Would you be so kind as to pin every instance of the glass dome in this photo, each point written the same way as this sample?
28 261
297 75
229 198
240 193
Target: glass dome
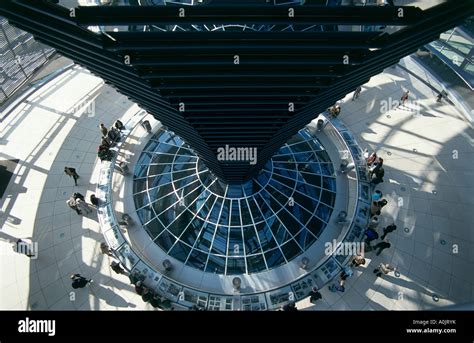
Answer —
234 229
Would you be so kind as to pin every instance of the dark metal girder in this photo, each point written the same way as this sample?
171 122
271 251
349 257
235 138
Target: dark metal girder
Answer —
243 73
197 111
257 61
240 93
235 102
209 88
246 14
168 56
247 37
257 126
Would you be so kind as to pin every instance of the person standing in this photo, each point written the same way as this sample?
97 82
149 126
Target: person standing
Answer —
105 249
404 98
387 230
382 203
376 166
371 235
372 158
94 200
379 174
73 205
116 267
314 295
119 125
78 281
381 246
82 206
439 97
72 173
357 260
357 93
375 209
103 130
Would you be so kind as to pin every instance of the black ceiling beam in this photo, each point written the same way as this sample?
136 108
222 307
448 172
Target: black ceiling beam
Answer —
239 93
245 14
248 60
197 110
242 42
225 103
249 56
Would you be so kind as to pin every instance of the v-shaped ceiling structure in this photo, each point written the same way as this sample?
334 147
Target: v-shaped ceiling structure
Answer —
234 73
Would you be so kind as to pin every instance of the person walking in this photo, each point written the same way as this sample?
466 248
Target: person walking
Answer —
404 98
381 246
79 281
357 93
103 130
387 230
72 173
383 269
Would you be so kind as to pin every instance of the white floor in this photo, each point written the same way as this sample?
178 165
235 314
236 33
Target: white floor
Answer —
430 193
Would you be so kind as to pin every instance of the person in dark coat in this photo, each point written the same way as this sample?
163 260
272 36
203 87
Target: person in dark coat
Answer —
314 295
72 173
387 230
382 246
79 281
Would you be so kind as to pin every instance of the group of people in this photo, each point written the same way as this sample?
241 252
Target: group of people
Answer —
109 138
371 234
376 170
148 295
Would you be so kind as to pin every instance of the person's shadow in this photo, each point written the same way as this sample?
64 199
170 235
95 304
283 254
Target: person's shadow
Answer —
112 298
